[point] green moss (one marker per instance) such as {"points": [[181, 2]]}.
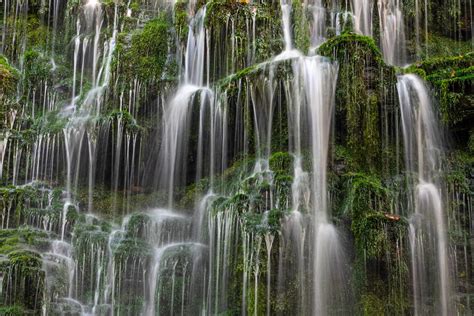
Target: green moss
{"points": [[20, 238], [364, 91], [132, 248], [371, 305], [128, 122], [8, 77], [137, 224], [439, 46], [262, 224], [29, 31], [18, 203], [334, 47], [50, 123], [193, 193], [453, 80], [113, 206], [377, 236], [230, 25], [37, 67], [281, 163], [143, 55], [14, 310], [23, 280], [26, 259]]}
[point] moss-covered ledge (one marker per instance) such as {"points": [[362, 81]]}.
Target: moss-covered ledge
{"points": [[452, 78], [365, 97]]}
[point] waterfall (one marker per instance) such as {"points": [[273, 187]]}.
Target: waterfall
{"points": [[392, 32], [286, 23], [329, 262], [363, 10], [176, 126], [224, 158], [318, 26], [289, 51], [423, 157]]}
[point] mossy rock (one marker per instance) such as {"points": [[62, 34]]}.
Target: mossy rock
{"points": [[234, 53], [453, 81], [37, 67], [130, 248], [281, 163], [23, 238], [143, 54], [23, 280], [365, 89], [8, 77]]}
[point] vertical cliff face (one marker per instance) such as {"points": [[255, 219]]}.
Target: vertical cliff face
{"points": [[236, 157]]}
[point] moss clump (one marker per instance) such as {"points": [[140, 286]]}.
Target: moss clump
{"points": [[143, 54], [192, 193], [14, 310], [23, 281], [21, 238], [438, 46], [261, 224], [29, 205], [137, 224], [24, 29], [131, 248], [281, 163], [453, 80], [371, 305], [37, 67], [50, 123], [378, 236], [127, 121], [231, 26], [364, 90], [8, 78]]}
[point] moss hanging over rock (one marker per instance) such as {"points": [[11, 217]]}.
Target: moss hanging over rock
{"points": [[378, 239], [23, 281], [453, 81], [37, 68], [233, 43], [8, 78], [143, 54], [364, 91]]}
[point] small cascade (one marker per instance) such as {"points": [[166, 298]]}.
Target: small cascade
{"points": [[79, 115], [428, 236], [392, 32], [339, 20], [289, 51], [363, 12], [329, 257], [176, 125], [216, 158], [318, 25]]}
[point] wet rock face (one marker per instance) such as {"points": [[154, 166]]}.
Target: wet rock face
{"points": [[236, 157]]}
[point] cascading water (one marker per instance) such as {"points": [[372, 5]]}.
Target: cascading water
{"points": [[203, 158], [329, 257], [176, 125], [289, 50], [392, 32], [423, 156], [362, 10], [318, 23]]}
